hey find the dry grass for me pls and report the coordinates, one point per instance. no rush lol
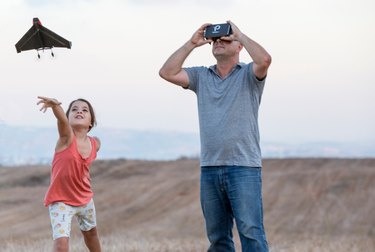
(312, 205)
(117, 243)
(326, 244)
(112, 243)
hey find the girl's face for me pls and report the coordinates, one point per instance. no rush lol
(79, 114)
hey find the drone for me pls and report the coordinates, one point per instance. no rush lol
(39, 38)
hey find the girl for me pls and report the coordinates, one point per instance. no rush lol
(69, 193)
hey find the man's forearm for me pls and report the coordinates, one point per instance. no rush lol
(174, 63)
(259, 55)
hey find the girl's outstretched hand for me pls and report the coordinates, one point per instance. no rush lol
(47, 103)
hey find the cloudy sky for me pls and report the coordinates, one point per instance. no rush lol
(320, 87)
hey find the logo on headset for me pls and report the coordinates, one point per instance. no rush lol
(216, 29)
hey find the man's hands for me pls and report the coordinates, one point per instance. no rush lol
(236, 34)
(198, 38)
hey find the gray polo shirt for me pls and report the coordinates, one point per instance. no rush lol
(228, 115)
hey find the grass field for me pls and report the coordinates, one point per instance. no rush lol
(309, 205)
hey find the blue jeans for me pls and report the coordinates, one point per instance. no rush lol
(233, 192)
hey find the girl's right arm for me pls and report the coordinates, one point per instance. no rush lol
(64, 129)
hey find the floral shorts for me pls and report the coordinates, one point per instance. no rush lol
(61, 218)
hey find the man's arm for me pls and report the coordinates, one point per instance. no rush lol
(172, 70)
(261, 59)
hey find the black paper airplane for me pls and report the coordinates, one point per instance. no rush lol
(39, 38)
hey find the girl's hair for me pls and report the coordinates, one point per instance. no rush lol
(93, 118)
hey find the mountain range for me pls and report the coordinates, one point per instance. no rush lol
(21, 145)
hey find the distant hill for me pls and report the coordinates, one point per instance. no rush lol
(309, 205)
(35, 145)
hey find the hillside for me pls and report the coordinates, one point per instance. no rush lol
(328, 202)
(18, 145)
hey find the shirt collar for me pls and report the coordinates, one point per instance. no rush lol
(238, 65)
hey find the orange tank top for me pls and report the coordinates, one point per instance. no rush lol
(70, 177)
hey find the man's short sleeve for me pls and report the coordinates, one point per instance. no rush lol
(193, 73)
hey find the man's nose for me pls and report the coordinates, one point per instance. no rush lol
(218, 40)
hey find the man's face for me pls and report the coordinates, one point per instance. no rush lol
(225, 48)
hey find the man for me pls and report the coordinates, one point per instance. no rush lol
(228, 95)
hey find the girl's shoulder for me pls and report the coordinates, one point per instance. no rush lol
(97, 141)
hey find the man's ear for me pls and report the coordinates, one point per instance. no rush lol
(240, 46)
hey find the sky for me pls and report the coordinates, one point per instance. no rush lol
(320, 86)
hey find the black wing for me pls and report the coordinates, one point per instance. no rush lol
(39, 37)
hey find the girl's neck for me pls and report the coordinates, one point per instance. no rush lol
(80, 134)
